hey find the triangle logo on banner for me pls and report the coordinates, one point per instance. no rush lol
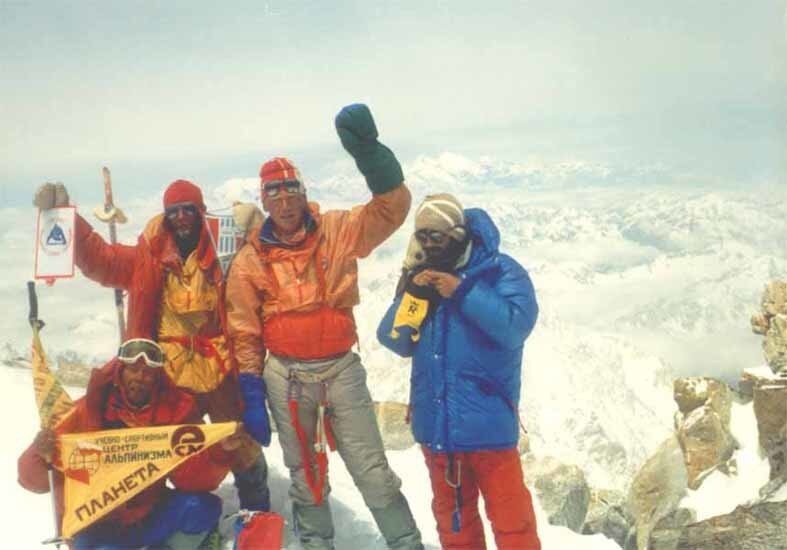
(56, 236)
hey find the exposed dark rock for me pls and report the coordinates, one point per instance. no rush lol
(770, 408)
(706, 443)
(762, 526)
(668, 530)
(561, 488)
(656, 490)
(607, 514)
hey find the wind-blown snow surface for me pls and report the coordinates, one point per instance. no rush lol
(27, 518)
(638, 282)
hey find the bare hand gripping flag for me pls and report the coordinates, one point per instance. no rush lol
(104, 469)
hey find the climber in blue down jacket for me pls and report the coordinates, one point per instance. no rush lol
(462, 312)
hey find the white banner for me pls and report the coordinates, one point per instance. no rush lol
(227, 238)
(55, 243)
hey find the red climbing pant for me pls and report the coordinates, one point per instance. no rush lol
(498, 477)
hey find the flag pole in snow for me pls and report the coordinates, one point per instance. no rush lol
(36, 324)
(112, 215)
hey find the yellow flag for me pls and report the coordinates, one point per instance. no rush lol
(52, 400)
(410, 313)
(102, 470)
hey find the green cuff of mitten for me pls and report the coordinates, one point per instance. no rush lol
(382, 171)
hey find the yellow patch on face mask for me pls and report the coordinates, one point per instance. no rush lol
(411, 313)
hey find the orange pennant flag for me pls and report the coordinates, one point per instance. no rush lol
(102, 470)
(52, 400)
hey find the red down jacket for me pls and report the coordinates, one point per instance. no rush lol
(104, 407)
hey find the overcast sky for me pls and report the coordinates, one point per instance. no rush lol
(207, 91)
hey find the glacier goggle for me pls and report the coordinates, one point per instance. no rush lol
(426, 236)
(131, 350)
(188, 209)
(276, 189)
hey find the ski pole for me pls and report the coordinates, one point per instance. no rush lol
(112, 215)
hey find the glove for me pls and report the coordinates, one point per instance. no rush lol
(416, 304)
(358, 135)
(415, 256)
(255, 415)
(50, 195)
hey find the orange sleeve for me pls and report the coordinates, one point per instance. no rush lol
(244, 311)
(111, 265)
(32, 471)
(365, 227)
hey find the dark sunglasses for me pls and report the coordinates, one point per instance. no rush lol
(188, 210)
(291, 187)
(425, 236)
(131, 350)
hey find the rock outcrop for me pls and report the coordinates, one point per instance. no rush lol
(392, 419)
(561, 488)
(762, 526)
(656, 490)
(770, 408)
(703, 425)
(771, 322)
(668, 530)
(769, 393)
(608, 514)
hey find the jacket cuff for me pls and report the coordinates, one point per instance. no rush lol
(381, 170)
(465, 286)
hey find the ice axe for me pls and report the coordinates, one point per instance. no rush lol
(112, 215)
(37, 324)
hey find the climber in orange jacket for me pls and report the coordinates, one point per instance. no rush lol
(176, 297)
(291, 292)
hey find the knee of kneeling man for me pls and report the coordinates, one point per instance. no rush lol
(200, 509)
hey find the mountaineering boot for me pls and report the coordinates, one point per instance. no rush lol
(313, 525)
(204, 540)
(252, 485)
(397, 525)
(212, 540)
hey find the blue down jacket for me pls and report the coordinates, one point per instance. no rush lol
(466, 372)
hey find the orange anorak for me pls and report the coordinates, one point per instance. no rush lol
(297, 301)
(178, 303)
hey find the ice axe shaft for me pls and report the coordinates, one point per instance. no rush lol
(36, 324)
(112, 215)
(56, 540)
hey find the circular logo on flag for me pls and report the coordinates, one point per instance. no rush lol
(187, 440)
